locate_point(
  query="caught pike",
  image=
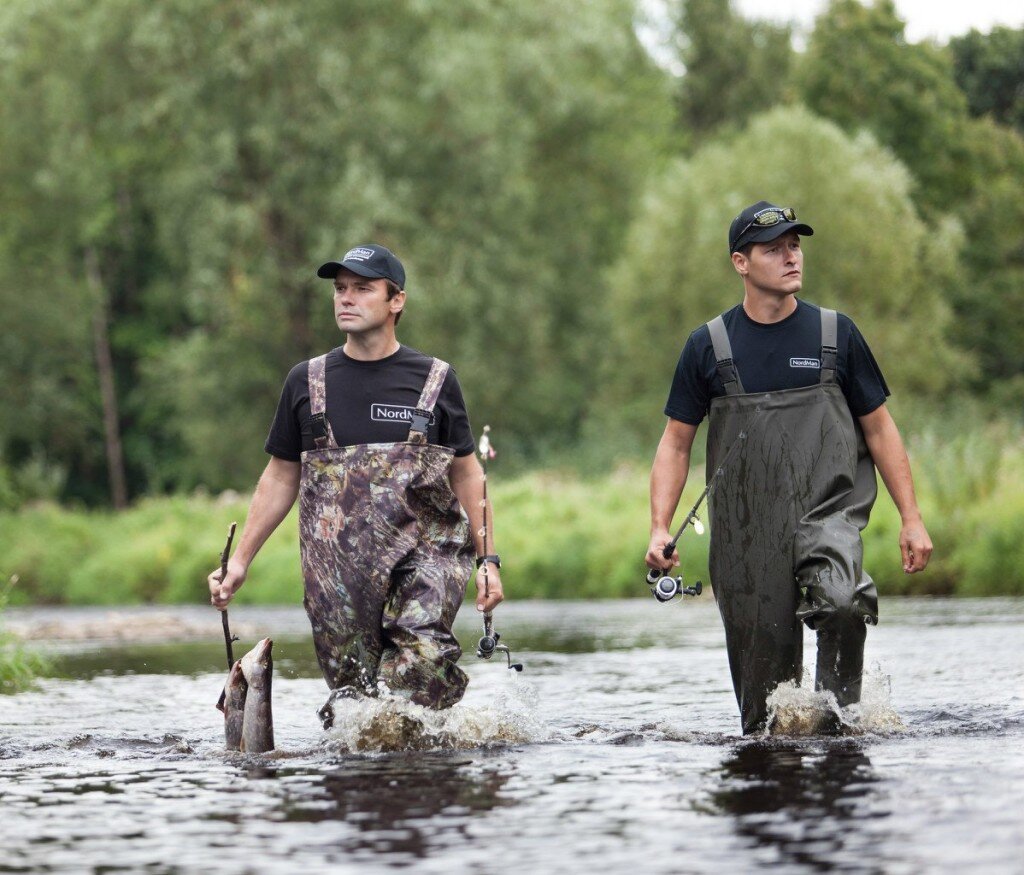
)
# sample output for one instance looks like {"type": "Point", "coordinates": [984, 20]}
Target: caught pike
{"type": "Point", "coordinates": [248, 715]}
{"type": "Point", "coordinates": [258, 722]}
{"type": "Point", "coordinates": [232, 703]}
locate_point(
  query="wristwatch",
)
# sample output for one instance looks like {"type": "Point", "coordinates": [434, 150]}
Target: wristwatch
{"type": "Point", "coordinates": [493, 558]}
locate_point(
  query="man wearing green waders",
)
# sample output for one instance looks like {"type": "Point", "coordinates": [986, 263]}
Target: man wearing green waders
{"type": "Point", "coordinates": [374, 440]}
{"type": "Point", "coordinates": [799, 390]}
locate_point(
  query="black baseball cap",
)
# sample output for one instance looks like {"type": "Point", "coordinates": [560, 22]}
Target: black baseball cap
{"type": "Point", "coordinates": [368, 260]}
{"type": "Point", "coordinates": [762, 222]}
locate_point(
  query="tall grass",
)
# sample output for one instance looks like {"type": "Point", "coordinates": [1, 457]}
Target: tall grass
{"type": "Point", "coordinates": [18, 667]}
{"type": "Point", "coordinates": [561, 535]}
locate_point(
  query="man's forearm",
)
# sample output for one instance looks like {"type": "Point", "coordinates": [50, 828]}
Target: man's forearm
{"type": "Point", "coordinates": [890, 458]}
{"type": "Point", "coordinates": [669, 472]}
{"type": "Point", "coordinates": [467, 483]}
{"type": "Point", "coordinates": [275, 494]}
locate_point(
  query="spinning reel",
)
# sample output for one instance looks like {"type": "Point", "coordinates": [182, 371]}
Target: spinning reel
{"type": "Point", "coordinates": [488, 645]}
{"type": "Point", "coordinates": [665, 588]}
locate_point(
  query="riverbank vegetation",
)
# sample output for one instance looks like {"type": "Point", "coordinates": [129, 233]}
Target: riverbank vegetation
{"type": "Point", "coordinates": [562, 535]}
{"type": "Point", "coordinates": [18, 666]}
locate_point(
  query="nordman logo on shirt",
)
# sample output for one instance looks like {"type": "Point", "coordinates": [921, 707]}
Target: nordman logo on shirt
{"type": "Point", "coordinates": [804, 363]}
{"type": "Point", "coordinates": [393, 413]}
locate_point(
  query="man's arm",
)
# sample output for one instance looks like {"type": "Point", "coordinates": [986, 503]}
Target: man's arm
{"type": "Point", "coordinates": [274, 496]}
{"type": "Point", "coordinates": [668, 477]}
{"type": "Point", "coordinates": [890, 458]}
{"type": "Point", "coordinates": [466, 478]}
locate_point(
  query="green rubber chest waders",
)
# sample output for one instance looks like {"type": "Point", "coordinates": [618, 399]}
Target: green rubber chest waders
{"type": "Point", "coordinates": [386, 554]}
{"type": "Point", "coordinates": [786, 520]}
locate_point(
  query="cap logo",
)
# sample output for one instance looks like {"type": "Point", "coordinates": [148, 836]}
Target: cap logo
{"type": "Point", "coordinates": [358, 254]}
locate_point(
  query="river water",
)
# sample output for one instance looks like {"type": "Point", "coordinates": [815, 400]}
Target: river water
{"type": "Point", "coordinates": [616, 750]}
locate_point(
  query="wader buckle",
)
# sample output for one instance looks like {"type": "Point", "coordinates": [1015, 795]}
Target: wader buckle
{"type": "Point", "coordinates": [318, 424]}
{"type": "Point", "coordinates": [420, 421]}
{"type": "Point", "coordinates": [727, 371]}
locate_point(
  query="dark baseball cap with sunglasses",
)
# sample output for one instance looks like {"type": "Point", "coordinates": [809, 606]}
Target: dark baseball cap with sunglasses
{"type": "Point", "coordinates": [762, 222]}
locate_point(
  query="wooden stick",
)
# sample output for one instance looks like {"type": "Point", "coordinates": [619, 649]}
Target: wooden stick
{"type": "Point", "coordinates": [223, 576]}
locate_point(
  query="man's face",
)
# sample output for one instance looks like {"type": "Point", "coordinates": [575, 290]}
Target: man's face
{"type": "Point", "coordinates": [361, 304]}
{"type": "Point", "coordinates": [775, 267]}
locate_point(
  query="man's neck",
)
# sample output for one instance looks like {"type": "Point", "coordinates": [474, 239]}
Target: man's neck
{"type": "Point", "coordinates": [372, 345]}
{"type": "Point", "coordinates": [768, 309]}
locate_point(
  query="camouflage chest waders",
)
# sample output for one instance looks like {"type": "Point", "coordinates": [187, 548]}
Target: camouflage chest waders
{"type": "Point", "coordinates": [386, 555]}
{"type": "Point", "coordinates": [785, 535]}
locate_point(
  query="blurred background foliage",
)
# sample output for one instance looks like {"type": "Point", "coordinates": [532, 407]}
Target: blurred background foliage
{"type": "Point", "coordinates": [172, 173]}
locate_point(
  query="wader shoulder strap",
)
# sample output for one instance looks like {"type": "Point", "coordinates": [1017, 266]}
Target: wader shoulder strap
{"type": "Point", "coordinates": [424, 411]}
{"type": "Point", "coordinates": [323, 437]}
{"type": "Point", "coordinates": [723, 357]}
{"type": "Point", "coordinates": [829, 348]}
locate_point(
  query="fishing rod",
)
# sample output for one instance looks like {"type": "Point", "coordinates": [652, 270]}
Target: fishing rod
{"type": "Point", "coordinates": [228, 639]}
{"type": "Point", "coordinates": [663, 586]}
{"type": "Point", "coordinates": [488, 644]}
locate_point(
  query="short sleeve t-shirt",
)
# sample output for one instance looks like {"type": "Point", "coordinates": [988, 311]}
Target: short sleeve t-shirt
{"type": "Point", "coordinates": [782, 355]}
{"type": "Point", "coordinates": [369, 403]}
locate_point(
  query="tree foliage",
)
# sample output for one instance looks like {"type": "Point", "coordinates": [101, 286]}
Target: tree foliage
{"type": "Point", "coordinates": [734, 67]}
{"type": "Point", "coordinates": [990, 70]}
{"type": "Point", "coordinates": [860, 71]}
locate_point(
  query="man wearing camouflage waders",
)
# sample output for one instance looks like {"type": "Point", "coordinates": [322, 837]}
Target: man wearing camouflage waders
{"type": "Point", "coordinates": [374, 439]}
{"type": "Point", "coordinates": [788, 510]}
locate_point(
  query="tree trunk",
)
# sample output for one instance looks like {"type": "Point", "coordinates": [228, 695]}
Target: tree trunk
{"type": "Point", "coordinates": [108, 389]}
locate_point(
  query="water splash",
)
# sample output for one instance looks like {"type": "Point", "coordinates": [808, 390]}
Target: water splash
{"type": "Point", "coordinates": [390, 723]}
{"type": "Point", "coordinates": [797, 710]}
{"type": "Point", "coordinates": [875, 712]}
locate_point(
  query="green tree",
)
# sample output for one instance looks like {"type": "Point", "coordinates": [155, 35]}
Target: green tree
{"type": "Point", "coordinates": [860, 71]}
{"type": "Point", "coordinates": [871, 257]}
{"type": "Point", "coordinates": [78, 154]}
{"type": "Point", "coordinates": [734, 67]}
{"type": "Point", "coordinates": [989, 304]}
{"type": "Point", "coordinates": [990, 70]}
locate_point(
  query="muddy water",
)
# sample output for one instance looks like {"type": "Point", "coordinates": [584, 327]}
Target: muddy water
{"type": "Point", "coordinates": [617, 750]}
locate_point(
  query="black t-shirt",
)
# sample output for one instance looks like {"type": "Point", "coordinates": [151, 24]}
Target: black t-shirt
{"type": "Point", "coordinates": [783, 355]}
{"type": "Point", "coordinates": [369, 403]}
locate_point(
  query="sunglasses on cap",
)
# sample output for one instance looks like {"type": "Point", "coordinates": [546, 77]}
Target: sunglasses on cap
{"type": "Point", "coordinates": [769, 216]}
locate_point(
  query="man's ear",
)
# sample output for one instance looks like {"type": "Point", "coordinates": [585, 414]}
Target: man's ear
{"type": "Point", "coordinates": [741, 263]}
{"type": "Point", "coordinates": [397, 303]}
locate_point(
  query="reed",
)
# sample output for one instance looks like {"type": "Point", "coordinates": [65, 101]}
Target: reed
{"type": "Point", "coordinates": [19, 667]}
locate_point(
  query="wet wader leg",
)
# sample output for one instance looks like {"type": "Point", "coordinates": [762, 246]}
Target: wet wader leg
{"type": "Point", "coordinates": [839, 601]}
{"type": "Point", "coordinates": [751, 571]}
{"type": "Point", "coordinates": [420, 651]}
{"type": "Point", "coordinates": [344, 590]}
{"type": "Point", "coordinates": [839, 598]}
{"type": "Point", "coordinates": [346, 632]}
{"type": "Point", "coordinates": [764, 638]}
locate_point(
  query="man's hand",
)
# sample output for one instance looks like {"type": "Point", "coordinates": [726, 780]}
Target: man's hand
{"type": "Point", "coordinates": [494, 595]}
{"type": "Point", "coordinates": [656, 553]}
{"type": "Point", "coordinates": [915, 545]}
{"type": "Point", "coordinates": [221, 592]}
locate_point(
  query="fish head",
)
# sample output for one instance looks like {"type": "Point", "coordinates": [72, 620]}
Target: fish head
{"type": "Point", "coordinates": [234, 687]}
{"type": "Point", "coordinates": [258, 664]}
